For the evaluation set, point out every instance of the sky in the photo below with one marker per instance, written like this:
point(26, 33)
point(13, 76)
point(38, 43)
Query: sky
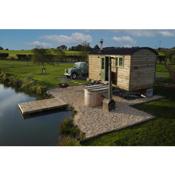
point(28, 39)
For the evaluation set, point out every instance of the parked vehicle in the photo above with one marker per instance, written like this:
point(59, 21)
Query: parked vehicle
point(80, 70)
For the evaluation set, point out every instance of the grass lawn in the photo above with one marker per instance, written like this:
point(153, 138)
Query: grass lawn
point(159, 131)
point(23, 70)
point(161, 71)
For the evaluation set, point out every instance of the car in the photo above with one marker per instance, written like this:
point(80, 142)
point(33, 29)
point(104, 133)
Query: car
point(80, 70)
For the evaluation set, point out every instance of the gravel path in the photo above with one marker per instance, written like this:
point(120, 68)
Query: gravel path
point(93, 121)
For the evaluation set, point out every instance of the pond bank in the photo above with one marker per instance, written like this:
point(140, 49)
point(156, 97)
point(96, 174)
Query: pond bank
point(29, 86)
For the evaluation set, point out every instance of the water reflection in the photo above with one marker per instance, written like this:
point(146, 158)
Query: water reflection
point(37, 130)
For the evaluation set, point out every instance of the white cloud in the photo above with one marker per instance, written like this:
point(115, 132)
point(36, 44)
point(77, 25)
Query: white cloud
point(123, 38)
point(39, 44)
point(141, 33)
point(167, 33)
point(151, 33)
point(74, 38)
point(124, 41)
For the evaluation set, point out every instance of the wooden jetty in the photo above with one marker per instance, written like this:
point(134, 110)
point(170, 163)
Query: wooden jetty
point(41, 105)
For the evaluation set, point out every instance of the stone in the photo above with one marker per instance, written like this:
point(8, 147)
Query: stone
point(108, 105)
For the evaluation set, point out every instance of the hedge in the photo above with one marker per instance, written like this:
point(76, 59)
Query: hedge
point(3, 55)
point(24, 57)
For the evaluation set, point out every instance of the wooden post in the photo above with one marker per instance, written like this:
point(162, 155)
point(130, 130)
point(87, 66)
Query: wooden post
point(109, 79)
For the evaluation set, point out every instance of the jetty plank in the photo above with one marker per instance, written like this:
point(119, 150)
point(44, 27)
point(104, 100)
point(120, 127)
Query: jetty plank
point(41, 105)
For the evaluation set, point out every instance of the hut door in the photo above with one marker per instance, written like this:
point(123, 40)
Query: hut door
point(104, 69)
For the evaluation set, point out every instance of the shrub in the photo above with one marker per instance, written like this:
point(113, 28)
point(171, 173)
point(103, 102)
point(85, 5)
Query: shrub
point(24, 57)
point(26, 85)
point(67, 128)
point(40, 90)
point(29, 77)
point(12, 58)
point(3, 55)
point(17, 83)
point(68, 141)
point(4, 77)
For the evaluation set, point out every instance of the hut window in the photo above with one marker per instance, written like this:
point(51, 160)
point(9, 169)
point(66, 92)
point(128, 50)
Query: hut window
point(102, 63)
point(119, 62)
point(116, 61)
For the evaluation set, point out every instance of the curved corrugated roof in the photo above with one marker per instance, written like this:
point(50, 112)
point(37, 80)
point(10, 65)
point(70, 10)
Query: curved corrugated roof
point(123, 51)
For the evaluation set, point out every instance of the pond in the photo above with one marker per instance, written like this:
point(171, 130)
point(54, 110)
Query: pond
point(41, 130)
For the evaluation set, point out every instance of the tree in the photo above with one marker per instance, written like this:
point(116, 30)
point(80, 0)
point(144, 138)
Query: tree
point(42, 56)
point(96, 48)
point(62, 47)
point(1, 48)
point(58, 54)
point(83, 46)
point(170, 63)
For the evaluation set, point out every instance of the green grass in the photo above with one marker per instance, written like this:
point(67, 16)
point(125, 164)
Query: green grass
point(72, 53)
point(22, 70)
point(159, 131)
point(161, 53)
point(161, 71)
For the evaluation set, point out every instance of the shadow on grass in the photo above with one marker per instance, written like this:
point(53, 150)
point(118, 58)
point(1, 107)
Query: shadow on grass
point(163, 108)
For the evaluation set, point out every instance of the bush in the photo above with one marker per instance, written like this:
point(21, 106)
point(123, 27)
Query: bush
point(67, 128)
point(4, 77)
point(24, 57)
point(68, 141)
point(12, 58)
point(40, 90)
point(3, 55)
point(17, 83)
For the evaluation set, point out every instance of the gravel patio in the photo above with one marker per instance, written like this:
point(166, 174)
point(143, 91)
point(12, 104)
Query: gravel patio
point(93, 121)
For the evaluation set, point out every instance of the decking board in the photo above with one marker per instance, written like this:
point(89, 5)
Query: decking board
point(41, 105)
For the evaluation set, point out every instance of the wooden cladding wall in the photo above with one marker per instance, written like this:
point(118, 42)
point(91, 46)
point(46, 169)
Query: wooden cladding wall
point(137, 73)
point(142, 70)
point(94, 67)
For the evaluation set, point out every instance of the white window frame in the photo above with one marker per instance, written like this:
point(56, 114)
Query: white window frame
point(117, 59)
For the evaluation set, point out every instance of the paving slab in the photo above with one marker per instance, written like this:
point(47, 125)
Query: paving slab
point(94, 121)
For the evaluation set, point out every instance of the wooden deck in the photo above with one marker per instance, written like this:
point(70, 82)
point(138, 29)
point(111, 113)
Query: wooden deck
point(41, 105)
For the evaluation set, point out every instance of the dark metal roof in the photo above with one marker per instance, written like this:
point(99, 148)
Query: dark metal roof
point(123, 50)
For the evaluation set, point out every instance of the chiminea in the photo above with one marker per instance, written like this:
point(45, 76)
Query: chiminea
point(109, 103)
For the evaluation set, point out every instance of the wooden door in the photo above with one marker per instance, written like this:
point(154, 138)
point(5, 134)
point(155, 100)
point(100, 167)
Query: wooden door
point(104, 69)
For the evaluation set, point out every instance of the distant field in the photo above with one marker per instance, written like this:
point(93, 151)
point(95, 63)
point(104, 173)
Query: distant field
point(161, 53)
point(70, 52)
point(16, 51)
point(12, 53)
